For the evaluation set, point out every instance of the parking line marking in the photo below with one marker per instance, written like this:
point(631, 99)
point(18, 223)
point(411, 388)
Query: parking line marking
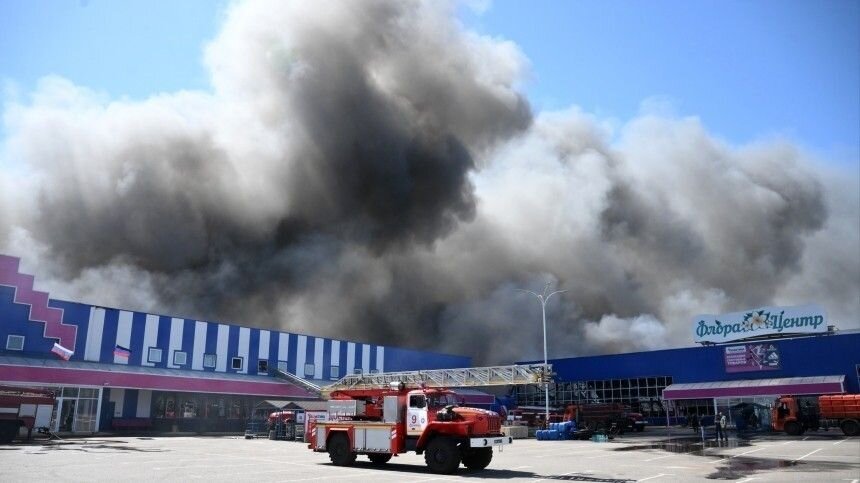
point(555, 477)
point(655, 476)
point(841, 441)
point(809, 454)
point(750, 451)
point(805, 438)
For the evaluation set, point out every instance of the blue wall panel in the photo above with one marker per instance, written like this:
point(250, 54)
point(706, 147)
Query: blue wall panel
point(138, 326)
point(109, 335)
point(254, 351)
point(326, 369)
point(187, 342)
point(291, 353)
point(163, 340)
point(398, 359)
point(211, 342)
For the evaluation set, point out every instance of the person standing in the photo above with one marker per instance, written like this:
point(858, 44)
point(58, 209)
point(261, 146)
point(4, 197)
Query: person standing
point(720, 427)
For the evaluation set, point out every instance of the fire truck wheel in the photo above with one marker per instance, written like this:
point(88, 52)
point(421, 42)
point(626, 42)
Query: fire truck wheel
point(477, 458)
point(442, 456)
point(850, 427)
point(339, 452)
point(793, 428)
point(8, 430)
point(379, 458)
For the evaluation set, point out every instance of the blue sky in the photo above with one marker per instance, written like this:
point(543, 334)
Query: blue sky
point(748, 69)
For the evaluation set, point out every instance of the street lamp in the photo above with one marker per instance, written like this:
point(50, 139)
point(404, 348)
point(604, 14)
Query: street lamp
point(544, 298)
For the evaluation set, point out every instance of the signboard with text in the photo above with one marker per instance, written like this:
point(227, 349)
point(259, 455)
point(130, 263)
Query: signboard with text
point(802, 319)
point(751, 357)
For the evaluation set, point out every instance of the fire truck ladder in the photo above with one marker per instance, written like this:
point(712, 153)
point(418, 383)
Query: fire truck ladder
point(307, 385)
point(465, 377)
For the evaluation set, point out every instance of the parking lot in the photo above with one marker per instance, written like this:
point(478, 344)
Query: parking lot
point(642, 457)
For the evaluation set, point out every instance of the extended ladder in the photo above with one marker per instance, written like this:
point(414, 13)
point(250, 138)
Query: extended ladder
point(464, 377)
point(307, 385)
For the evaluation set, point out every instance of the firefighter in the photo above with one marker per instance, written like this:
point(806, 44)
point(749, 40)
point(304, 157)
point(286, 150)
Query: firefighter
point(720, 427)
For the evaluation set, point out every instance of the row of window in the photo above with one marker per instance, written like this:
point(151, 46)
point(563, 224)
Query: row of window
point(180, 358)
point(237, 363)
point(643, 393)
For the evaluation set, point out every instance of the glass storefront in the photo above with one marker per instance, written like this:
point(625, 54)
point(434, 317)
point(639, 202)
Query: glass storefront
point(76, 409)
point(746, 413)
point(643, 394)
point(195, 412)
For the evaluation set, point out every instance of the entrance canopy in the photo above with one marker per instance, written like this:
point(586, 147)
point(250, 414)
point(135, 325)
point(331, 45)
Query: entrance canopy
point(74, 373)
point(757, 387)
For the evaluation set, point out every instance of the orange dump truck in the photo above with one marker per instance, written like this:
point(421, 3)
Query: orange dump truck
point(839, 410)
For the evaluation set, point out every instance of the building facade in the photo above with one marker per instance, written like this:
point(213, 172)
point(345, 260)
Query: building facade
point(115, 369)
point(676, 383)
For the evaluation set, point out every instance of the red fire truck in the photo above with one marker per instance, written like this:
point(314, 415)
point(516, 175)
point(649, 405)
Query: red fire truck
point(23, 407)
point(382, 416)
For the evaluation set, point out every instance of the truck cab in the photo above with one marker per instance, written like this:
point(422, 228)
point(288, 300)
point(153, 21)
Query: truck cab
point(793, 417)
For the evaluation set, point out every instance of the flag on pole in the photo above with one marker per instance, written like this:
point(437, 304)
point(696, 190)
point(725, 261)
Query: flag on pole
point(121, 351)
point(61, 351)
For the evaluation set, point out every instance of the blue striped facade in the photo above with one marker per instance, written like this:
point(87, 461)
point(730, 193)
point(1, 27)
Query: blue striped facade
point(101, 329)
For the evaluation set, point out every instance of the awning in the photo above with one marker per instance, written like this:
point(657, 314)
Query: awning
point(21, 370)
point(757, 388)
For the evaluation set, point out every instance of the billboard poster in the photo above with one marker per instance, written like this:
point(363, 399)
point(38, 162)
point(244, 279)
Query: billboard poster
point(763, 321)
point(752, 357)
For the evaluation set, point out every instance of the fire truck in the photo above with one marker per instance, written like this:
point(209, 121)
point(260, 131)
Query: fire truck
point(23, 407)
point(384, 415)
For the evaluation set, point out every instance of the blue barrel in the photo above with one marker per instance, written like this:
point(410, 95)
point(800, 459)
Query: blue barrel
point(553, 435)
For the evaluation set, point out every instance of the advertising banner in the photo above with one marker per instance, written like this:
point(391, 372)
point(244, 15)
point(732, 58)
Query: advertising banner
point(752, 357)
point(802, 319)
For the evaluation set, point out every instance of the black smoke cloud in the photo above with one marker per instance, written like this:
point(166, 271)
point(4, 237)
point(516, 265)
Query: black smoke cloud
point(370, 171)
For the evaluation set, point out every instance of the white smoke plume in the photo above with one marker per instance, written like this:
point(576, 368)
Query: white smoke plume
point(369, 170)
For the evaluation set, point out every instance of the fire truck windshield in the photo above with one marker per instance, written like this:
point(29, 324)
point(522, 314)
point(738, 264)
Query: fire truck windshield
point(441, 400)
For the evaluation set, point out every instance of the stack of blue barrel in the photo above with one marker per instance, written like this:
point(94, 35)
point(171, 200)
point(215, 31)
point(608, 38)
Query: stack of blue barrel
point(557, 431)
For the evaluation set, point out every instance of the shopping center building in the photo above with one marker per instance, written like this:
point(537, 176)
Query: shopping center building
point(113, 368)
point(740, 376)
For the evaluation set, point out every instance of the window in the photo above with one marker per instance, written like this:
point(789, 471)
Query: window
point(237, 363)
point(154, 355)
point(374, 371)
point(282, 366)
point(179, 358)
point(356, 371)
point(263, 366)
point(335, 372)
point(209, 360)
point(417, 401)
point(15, 343)
point(309, 370)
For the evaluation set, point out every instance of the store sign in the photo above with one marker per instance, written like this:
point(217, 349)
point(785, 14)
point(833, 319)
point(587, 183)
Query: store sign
point(802, 319)
point(752, 357)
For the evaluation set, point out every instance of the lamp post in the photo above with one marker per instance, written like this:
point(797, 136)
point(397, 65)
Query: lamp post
point(543, 299)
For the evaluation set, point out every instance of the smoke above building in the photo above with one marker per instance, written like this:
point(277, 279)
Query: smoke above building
point(370, 170)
